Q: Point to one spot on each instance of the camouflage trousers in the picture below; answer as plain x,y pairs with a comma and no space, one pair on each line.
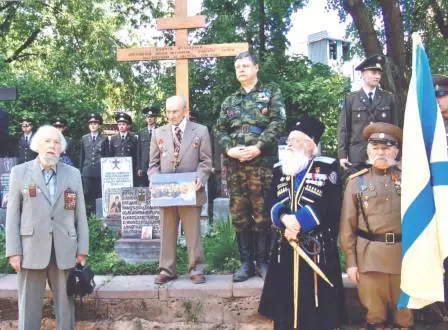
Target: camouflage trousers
249,187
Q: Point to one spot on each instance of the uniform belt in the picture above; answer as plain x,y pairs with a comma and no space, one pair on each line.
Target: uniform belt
246,128
388,238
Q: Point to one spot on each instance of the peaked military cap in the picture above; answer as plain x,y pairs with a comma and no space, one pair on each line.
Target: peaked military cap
375,62
311,127
151,111
440,84
27,120
383,133
58,121
95,118
123,117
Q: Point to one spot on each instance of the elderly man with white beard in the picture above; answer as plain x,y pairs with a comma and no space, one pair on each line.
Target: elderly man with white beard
370,230
305,208
46,229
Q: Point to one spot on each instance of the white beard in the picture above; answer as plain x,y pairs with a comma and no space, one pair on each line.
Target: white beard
48,160
381,160
294,162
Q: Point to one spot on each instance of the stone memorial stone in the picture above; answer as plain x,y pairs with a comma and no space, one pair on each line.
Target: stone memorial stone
136,212
221,209
116,173
6,165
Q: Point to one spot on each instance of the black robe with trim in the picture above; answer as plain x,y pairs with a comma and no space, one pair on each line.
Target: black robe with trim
321,191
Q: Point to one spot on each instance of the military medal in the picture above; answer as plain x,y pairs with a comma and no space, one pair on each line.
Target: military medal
69,199
32,190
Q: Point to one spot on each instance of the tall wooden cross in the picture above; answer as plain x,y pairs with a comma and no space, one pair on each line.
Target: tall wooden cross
181,52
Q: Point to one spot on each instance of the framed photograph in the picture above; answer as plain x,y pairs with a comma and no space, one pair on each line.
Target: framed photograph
146,232
173,189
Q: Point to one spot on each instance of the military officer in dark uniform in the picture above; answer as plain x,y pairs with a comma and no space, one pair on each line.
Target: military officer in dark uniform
94,145
24,153
441,87
66,155
369,104
144,142
370,228
124,143
305,207
250,121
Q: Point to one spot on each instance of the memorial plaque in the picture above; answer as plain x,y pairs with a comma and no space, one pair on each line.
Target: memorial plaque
116,173
137,213
6,165
179,53
8,94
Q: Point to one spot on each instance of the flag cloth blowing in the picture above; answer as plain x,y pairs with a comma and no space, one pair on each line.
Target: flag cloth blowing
424,200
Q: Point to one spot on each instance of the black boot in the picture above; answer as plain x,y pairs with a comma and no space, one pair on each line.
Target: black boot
246,270
262,246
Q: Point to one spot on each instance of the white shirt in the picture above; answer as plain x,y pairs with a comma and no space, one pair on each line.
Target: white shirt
367,91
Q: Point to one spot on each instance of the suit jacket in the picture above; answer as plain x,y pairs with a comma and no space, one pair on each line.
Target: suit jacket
144,142
356,115
91,153
23,152
195,154
33,223
380,198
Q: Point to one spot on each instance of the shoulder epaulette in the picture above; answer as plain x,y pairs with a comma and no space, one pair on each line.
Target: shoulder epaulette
277,164
362,172
325,159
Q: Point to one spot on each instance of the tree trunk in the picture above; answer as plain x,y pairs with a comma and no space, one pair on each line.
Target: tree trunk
441,21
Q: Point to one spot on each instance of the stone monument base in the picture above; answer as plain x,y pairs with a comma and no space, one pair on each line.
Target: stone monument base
221,209
137,251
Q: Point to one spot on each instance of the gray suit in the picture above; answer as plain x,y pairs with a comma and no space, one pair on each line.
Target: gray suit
48,238
194,156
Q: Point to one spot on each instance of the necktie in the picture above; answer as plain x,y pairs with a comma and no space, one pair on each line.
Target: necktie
26,139
122,138
177,139
370,97
93,138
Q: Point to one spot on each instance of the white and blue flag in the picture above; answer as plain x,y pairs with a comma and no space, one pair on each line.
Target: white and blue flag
424,199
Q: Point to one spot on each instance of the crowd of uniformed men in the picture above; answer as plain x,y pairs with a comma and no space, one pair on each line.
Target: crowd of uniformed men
301,196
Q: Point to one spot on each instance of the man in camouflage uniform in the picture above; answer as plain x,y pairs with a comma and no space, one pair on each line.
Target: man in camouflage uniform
124,143
250,121
441,87
367,105
370,228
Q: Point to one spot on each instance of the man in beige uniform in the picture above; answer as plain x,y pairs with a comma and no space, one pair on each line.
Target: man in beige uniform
370,230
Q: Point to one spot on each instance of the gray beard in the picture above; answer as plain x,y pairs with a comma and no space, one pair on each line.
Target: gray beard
48,160
294,162
390,162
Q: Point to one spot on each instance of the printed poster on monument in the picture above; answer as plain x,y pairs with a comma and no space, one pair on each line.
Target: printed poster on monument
116,173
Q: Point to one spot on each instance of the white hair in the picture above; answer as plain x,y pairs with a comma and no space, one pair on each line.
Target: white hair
42,133
176,100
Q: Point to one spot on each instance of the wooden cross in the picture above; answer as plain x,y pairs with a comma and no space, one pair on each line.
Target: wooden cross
181,52
8,94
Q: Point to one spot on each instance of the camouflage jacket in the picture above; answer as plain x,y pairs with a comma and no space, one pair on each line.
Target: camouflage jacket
253,118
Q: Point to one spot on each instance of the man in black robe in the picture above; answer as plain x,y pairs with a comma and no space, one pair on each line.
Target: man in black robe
305,206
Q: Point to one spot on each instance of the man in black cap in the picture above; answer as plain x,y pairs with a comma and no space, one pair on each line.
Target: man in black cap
369,104
441,87
23,152
94,145
66,155
305,208
124,143
144,142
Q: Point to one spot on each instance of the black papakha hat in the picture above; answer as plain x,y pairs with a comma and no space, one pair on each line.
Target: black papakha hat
310,126
375,62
